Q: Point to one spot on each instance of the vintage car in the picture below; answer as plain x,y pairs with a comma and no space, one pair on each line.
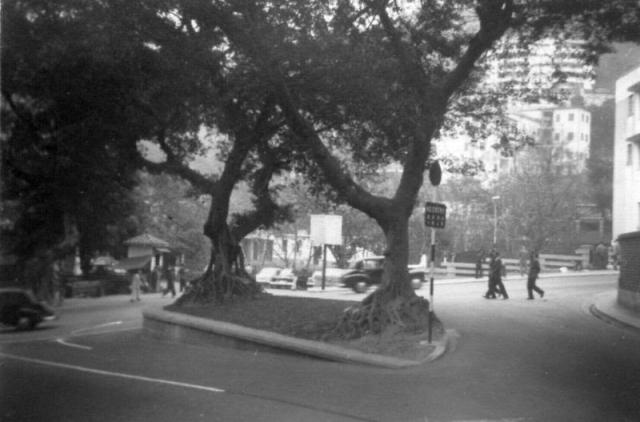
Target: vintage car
20,309
368,271
285,278
265,275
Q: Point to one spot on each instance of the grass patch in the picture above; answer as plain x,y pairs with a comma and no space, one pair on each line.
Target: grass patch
312,319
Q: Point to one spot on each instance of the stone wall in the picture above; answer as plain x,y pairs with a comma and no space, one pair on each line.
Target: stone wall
629,283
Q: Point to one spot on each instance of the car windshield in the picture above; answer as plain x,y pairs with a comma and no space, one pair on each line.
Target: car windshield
367,264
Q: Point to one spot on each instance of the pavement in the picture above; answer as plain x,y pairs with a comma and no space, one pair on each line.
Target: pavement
606,308
181,327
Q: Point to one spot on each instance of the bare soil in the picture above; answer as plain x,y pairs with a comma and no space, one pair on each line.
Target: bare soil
312,319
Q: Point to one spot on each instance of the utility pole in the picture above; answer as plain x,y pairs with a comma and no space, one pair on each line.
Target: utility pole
495,219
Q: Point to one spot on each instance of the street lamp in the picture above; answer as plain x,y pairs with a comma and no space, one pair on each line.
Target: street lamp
495,219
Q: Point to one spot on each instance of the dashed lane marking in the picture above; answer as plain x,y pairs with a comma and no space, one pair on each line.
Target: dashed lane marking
77,346
111,373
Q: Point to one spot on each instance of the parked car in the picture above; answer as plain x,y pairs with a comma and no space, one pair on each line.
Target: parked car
114,280
20,309
264,276
332,276
368,271
284,278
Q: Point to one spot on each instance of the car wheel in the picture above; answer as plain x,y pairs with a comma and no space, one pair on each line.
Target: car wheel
24,323
416,283
360,286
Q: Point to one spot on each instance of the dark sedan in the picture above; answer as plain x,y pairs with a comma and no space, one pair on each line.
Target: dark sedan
20,309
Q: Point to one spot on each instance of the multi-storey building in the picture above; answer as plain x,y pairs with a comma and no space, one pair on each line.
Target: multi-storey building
626,157
542,64
565,132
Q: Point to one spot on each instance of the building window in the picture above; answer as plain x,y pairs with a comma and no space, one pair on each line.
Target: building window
557,117
631,108
571,117
629,154
556,137
570,136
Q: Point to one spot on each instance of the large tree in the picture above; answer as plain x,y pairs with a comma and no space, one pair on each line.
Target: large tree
84,82
69,133
383,79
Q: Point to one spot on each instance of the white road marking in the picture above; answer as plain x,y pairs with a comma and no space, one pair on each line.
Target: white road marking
78,346
108,324
112,374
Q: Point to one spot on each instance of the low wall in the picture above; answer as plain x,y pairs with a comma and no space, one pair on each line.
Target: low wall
629,282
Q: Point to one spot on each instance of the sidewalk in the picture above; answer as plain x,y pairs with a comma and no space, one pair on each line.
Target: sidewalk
606,308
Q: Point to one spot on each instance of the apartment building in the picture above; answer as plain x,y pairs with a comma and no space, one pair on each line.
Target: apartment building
626,157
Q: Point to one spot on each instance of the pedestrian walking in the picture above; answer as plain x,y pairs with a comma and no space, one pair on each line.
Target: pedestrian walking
57,284
479,262
491,288
534,270
615,254
136,284
181,280
170,286
601,256
496,271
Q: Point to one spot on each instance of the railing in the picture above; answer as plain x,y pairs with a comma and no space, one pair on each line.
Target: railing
548,263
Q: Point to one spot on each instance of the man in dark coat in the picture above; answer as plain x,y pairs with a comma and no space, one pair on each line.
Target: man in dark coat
491,289
495,278
534,270
170,286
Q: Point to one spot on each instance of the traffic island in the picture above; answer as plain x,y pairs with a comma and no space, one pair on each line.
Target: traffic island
178,327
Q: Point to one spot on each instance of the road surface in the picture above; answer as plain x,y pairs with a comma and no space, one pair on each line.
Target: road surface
514,360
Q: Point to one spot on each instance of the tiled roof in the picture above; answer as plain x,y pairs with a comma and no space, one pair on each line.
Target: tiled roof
147,240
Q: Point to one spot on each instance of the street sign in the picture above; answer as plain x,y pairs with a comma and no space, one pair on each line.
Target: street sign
435,215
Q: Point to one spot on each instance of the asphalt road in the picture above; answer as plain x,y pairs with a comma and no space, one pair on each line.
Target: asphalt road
541,360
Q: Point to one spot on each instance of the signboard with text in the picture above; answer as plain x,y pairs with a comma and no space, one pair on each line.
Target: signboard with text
435,215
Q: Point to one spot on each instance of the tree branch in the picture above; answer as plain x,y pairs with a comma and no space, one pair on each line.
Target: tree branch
267,211
198,180
495,18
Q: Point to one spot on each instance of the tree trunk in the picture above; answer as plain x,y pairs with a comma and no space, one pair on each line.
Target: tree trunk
396,279
226,278
394,305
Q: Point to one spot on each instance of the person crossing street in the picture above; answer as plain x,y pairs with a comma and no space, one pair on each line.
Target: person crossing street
534,270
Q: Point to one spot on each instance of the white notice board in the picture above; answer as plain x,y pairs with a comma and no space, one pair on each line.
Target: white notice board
326,229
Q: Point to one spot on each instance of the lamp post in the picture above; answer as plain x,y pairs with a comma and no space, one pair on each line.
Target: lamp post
495,219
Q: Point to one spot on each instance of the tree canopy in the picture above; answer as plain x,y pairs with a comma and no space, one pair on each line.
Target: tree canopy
333,88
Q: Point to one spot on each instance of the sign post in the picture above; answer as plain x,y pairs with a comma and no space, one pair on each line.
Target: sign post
326,230
435,215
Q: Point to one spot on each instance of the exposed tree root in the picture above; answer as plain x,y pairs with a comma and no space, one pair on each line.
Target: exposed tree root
381,313
226,278
222,287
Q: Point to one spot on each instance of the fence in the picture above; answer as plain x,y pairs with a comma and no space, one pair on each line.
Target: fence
548,263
